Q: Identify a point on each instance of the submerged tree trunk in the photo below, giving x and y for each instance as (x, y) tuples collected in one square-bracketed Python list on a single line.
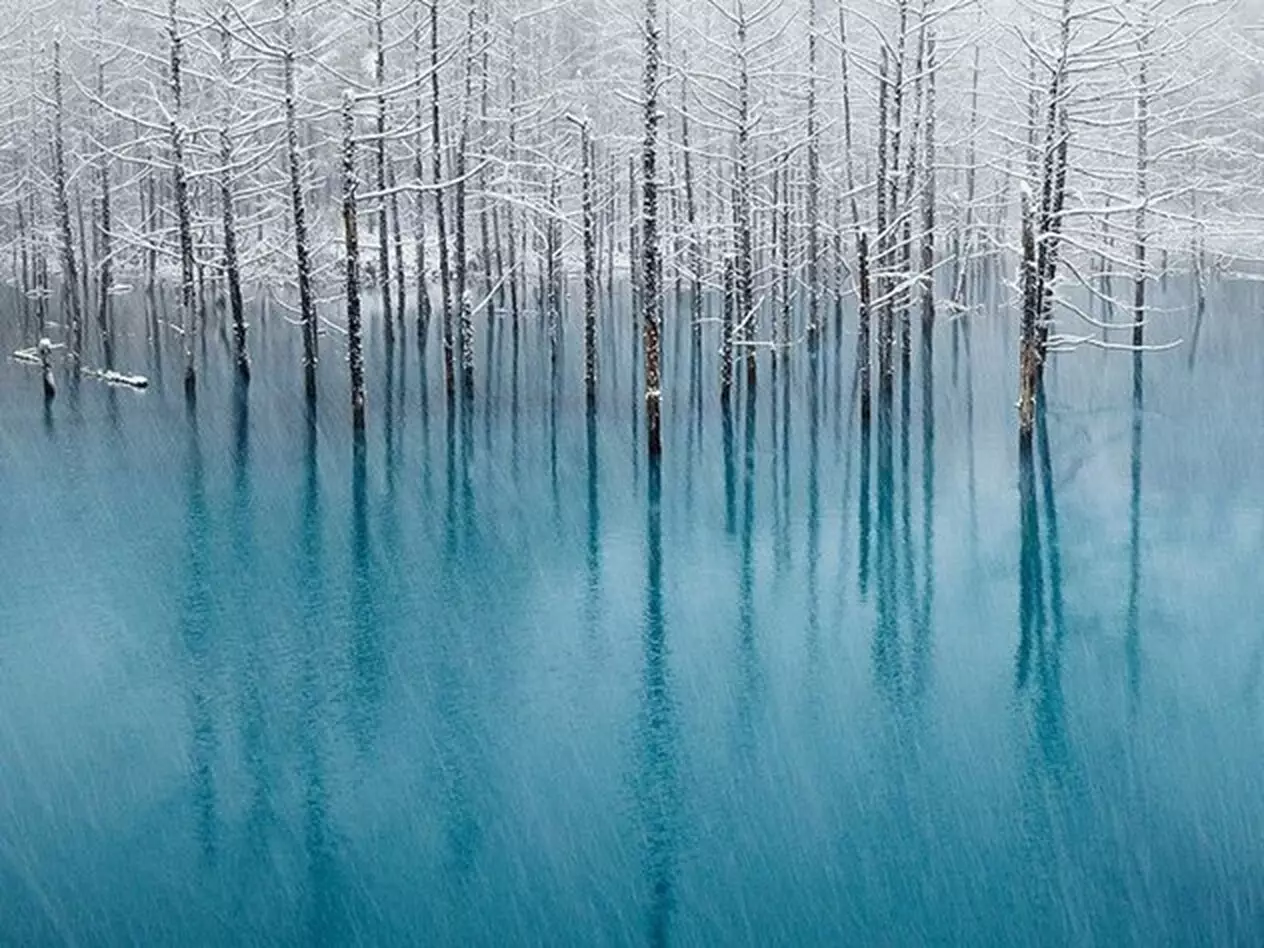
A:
[(483, 201), (180, 196), (814, 186), (419, 207), (590, 265), (436, 159), (105, 250), (351, 239), (651, 304), (397, 239), (231, 267), (849, 154), (929, 195), (306, 301), (383, 244), (726, 332), (45, 348), (691, 220), (70, 275), (465, 329), (882, 240), (864, 317), (745, 316), (1029, 355), (1143, 193)]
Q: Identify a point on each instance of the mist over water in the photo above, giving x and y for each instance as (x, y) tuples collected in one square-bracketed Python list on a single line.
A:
[(490, 677)]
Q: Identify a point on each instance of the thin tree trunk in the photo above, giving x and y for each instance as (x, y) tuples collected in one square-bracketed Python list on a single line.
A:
[(849, 157), (465, 329), (436, 157), (745, 316), (691, 217), (880, 256), (307, 302), (397, 239), (181, 199), (1029, 355), (70, 274), (928, 199), (105, 253), (419, 210), (864, 317), (483, 201), (590, 267), (651, 304), (383, 245), (814, 188), (355, 346), (231, 267), (1143, 192), (726, 332)]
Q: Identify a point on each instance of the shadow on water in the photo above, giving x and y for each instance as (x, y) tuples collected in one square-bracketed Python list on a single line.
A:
[(907, 594), (554, 481), (323, 914), (392, 431), (1038, 662), (458, 737), (814, 516), (154, 336), (887, 658), (748, 644), (786, 513), (730, 470), (1133, 622), (865, 526), (450, 531), (256, 753), (423, 388), (901, 649), (197, 622), (923, 618), (368, 660), (658, 780), (592, 549), (469, 512), (1200, 311)]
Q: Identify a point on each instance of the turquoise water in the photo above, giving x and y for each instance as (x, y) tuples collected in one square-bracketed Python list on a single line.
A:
[(492, 679)]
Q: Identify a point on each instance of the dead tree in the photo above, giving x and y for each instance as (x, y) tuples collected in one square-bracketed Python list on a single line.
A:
[(1029, 351), (1143, 189), (302, 253), (383, 247), (419, 208), (651, 303), (436, 158), (590, 259), (864, 316), (70, 275), (465, 328), (180, 196), (351, 240), (105, 262), (813, 186), (232, 269)]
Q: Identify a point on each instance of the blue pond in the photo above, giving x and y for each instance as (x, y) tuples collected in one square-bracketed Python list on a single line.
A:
[(489, 678)]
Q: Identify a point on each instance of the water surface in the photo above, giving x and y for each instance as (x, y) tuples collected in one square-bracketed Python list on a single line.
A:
[(489, 677)]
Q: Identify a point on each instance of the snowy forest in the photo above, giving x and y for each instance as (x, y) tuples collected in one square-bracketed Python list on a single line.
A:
[(427, 169)]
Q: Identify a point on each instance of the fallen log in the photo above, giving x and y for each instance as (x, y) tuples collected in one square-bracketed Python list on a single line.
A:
[(39, 356), (110, 377)]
